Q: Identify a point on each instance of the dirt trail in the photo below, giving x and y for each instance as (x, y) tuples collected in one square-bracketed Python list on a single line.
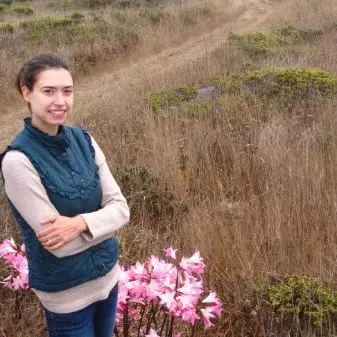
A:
[(249, 15)]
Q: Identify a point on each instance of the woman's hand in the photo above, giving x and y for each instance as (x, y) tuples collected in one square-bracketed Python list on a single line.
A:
[(59, 230)]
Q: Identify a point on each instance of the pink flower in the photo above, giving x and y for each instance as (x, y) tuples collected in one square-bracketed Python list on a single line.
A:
[(160, 269), (217, 309), (189, 315), (207, 314), (153, 290), (138, 272), (170, 252), (8, 247), (194, 264), (192, 288), (211, 298), (168, 300), (186, 301), (16, 282), (152, 333)]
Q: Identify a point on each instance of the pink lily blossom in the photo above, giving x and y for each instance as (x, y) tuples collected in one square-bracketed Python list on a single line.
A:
[(170, 252), (194, 264), (207, 314), (8, 247), (152, 333), (173, 290), (211, 298)]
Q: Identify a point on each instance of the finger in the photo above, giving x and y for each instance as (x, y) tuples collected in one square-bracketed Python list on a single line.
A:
[(56, 246), (49, 219), (48, 240), (48, 232)]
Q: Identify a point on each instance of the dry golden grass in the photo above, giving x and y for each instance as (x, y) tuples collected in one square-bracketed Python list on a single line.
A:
[(107, 37), (256, 198)]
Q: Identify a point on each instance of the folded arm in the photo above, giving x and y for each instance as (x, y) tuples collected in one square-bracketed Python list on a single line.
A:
[(25, 190), (114, 212)]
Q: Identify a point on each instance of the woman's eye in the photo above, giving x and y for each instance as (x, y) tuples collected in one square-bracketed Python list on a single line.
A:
[(68, 92), (48, 91)]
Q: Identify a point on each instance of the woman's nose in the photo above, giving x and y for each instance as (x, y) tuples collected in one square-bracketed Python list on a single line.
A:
[(59, 99)]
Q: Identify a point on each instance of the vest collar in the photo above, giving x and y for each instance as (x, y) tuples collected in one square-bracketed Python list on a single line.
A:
[(58, 141)]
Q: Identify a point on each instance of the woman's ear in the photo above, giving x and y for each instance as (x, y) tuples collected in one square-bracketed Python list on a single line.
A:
[(26, 93)]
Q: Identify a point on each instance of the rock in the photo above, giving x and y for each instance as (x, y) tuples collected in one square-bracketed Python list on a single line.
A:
[(206, 94)]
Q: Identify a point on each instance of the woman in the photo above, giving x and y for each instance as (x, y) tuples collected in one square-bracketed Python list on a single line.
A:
[(67, 204)]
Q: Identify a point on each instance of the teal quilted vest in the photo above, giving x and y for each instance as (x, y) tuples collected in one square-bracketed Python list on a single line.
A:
[(66, 166)]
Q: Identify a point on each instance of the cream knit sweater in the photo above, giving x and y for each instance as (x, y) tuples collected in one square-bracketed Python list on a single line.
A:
[(25, 190)]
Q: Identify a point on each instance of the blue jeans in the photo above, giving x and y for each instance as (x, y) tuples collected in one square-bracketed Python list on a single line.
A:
[(95, 320)]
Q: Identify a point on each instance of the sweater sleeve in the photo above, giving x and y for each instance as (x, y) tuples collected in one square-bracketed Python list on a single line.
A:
[(114, 212), (28, 195), (25, 190)]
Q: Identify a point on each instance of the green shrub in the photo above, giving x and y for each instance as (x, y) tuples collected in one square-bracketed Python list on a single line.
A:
[(280, 83), (301, 297), (268, 42), (283, 85), (24, 10), (39, 30), (256, 43), (160, 99), (3, 8), (21, 1), (6, 27), (197, 109), (96, 3), (81, 34), (292, 83), (289, 34), (6, 2), (48, 23)]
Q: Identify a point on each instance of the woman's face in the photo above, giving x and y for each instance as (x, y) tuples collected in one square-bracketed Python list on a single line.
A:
[(51, 99)]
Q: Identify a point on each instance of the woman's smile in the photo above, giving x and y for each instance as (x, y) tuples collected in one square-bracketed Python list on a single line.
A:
[(51, 99)]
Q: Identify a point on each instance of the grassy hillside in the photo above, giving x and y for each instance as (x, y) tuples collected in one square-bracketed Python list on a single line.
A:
[(95, 34), (234, 154)]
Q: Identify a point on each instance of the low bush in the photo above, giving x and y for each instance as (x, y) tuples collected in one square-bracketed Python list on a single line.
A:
[(292, 83), (39, 30), (268, 42), (6, 2), (81, 34), (282, 85), (96, 3), (6, 28), (288, 83), (160, 99), (296, 299), (23, 10)]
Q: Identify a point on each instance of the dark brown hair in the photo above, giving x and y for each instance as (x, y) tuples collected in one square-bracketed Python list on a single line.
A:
[(31, 69)]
